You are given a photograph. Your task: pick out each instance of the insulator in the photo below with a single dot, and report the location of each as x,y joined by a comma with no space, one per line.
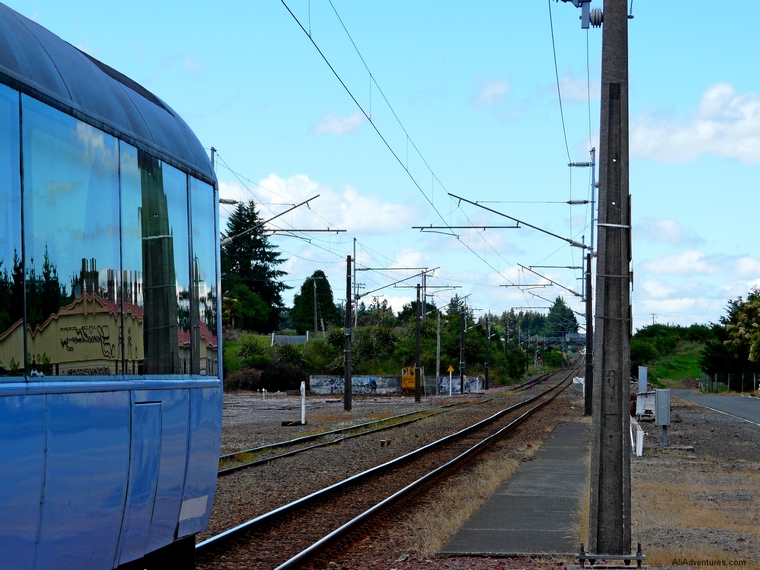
596,17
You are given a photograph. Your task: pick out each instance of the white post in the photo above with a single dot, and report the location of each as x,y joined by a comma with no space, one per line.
303,403
449,382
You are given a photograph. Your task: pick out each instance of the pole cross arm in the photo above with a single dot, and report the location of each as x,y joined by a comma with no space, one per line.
585,11
550,281
228,239
568,240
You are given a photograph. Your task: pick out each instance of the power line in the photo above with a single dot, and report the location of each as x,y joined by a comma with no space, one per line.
409,139
364,112
556,73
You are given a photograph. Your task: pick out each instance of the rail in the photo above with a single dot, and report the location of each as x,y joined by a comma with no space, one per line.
266,519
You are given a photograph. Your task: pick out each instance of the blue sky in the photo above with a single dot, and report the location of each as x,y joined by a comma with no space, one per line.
473,85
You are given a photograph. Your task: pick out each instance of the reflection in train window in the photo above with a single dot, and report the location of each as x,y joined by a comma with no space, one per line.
71,231
205,343
155,269
11,269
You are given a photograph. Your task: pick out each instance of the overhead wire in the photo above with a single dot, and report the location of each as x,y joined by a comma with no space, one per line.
364,112
556,73
368,116
409,140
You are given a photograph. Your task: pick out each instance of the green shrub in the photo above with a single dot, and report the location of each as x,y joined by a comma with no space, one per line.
254,351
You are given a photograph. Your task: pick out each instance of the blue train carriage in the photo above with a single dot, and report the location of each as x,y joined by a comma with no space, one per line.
110,389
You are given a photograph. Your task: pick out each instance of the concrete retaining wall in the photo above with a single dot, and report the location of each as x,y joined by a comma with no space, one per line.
387,385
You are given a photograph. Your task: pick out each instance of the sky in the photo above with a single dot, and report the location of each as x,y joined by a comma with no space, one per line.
463,100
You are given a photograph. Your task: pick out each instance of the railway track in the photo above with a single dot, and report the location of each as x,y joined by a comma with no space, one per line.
289,536
232,462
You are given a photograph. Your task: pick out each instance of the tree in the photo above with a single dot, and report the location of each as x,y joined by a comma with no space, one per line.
745,330
736,345
249,260
560,320
302,314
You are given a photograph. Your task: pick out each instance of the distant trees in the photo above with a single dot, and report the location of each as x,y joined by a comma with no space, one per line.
302,315
383,343
735,346
653,342
560,320
251,279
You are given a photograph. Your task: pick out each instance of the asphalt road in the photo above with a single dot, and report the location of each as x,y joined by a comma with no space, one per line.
742,406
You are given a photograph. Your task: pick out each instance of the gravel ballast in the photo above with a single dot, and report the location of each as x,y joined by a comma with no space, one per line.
670,486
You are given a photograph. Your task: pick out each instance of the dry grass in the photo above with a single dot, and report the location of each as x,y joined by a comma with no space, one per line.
702,556
689,500
698,510
455,503
579,530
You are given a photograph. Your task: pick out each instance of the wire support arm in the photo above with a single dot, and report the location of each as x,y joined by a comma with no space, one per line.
228,239
394,283
550,281
568,240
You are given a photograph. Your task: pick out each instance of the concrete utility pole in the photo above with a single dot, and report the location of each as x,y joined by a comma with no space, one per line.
347,386
588,380
588,403
417,349
610,502
488,343
462,319
314,279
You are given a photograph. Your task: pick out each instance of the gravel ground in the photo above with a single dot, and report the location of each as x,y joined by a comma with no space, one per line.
694,506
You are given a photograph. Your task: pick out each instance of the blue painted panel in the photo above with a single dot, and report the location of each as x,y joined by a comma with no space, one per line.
75,385
85,480
203,460
143,480
175,409
22,468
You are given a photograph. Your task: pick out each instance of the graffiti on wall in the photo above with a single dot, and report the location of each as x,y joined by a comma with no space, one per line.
359,384
471,384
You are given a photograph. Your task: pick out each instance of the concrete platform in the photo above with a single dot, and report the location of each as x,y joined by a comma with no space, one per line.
533,512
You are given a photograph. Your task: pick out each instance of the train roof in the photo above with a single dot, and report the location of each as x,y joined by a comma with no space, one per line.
36,61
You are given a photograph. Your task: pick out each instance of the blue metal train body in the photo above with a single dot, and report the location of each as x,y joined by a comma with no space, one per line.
110,380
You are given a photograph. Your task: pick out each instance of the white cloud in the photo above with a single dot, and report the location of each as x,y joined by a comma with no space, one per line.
411,257
724,124
192,66
748,267
576,89
654,288
340,125
690,262
490,93
665,230
348,209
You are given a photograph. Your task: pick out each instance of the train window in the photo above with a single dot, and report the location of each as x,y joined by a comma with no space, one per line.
203,223
155,269
11,269
71,237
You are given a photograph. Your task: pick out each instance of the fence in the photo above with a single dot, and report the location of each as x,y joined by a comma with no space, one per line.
289,339
382,385
729,382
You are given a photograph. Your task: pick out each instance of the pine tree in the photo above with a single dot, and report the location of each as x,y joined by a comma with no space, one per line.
560,320
303,304
249,271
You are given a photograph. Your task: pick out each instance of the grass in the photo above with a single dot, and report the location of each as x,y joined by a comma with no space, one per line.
706,500
703,556
683,362
579,530
455,504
